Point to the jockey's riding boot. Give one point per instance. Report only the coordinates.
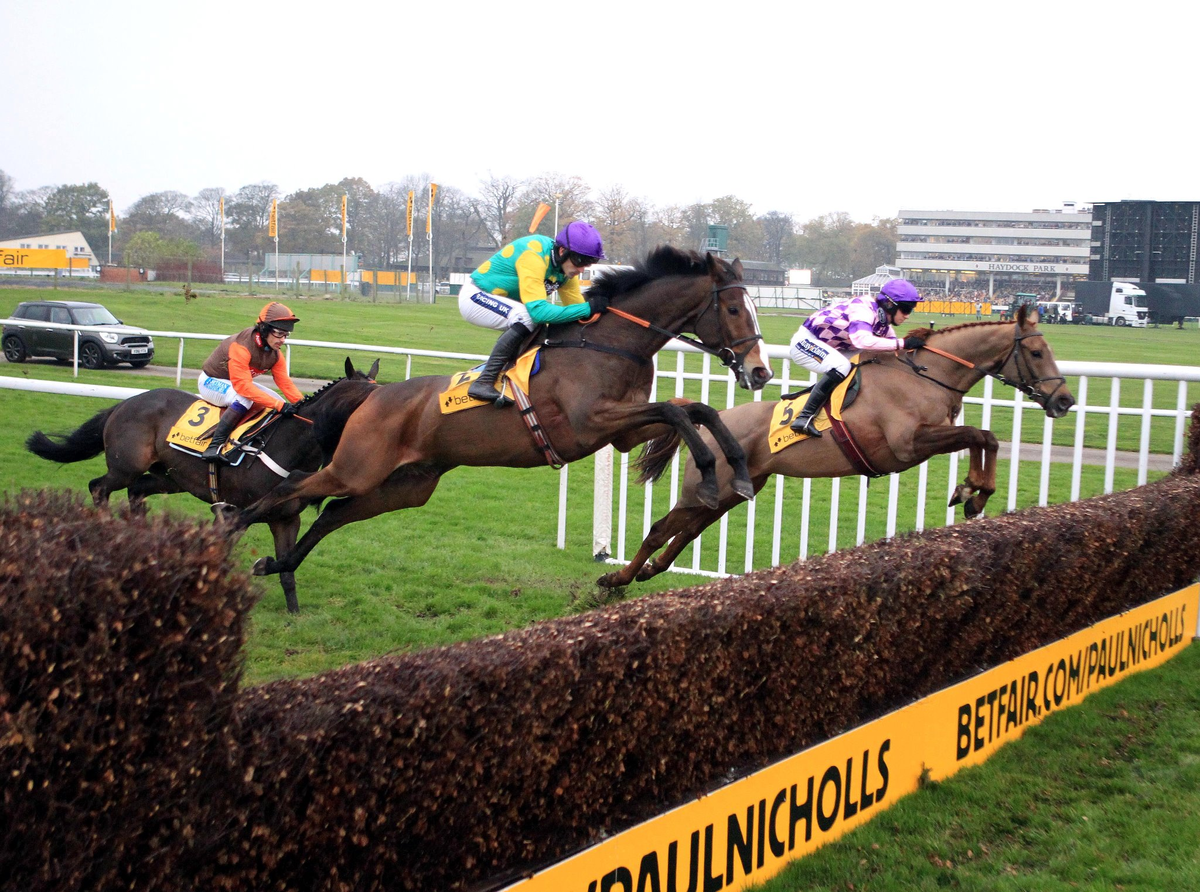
(230, 419)
(805, 422)
(505, 351)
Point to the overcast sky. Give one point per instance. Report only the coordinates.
(804, 108)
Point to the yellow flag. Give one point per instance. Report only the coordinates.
(538, 216)
(221, 211)
(343, 217)
(409, 212)
(429, 215)
(272, 227)
(112, 217)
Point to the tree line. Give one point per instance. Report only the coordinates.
(836, 248)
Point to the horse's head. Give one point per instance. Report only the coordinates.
(1030, 367)
(729, 325)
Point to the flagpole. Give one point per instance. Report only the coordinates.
(345, 273)
(429, 235)
(112, 224)
(222, 207)
(408, 278)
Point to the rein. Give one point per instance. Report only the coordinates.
(1026, 384)
(727, 355)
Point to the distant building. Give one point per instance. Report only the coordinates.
(757, 272)
(73, 243)
(985, 252)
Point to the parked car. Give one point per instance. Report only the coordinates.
(105, 341)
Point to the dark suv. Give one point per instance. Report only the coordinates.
(105, 341)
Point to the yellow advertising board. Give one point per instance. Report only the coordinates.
(746, 832)
(34, 258)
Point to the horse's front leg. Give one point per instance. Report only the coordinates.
(942, 439)
(702, 413)
(284, 532)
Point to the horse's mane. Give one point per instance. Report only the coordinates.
(663, 261)
(925, 333)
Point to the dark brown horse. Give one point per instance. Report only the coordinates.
(904, 415)
(133, 437)
(592, 390)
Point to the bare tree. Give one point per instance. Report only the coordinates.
(621, 221)
(571, 194)
(166, 213)
(249, 213)
(499, 197)
(779, 231)
(206, 214)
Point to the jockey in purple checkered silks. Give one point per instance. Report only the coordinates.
(511, 291)
(861, 322)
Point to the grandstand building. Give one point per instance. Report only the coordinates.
(992, 255)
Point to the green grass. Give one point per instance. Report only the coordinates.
(1102, 796)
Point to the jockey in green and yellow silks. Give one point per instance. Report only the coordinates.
(510, 291)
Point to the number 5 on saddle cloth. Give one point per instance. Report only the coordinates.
(780, 435)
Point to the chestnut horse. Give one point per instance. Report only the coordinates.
(904, 414)
(592, 390)
(133, 437)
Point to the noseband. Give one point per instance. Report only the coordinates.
(1027, 384)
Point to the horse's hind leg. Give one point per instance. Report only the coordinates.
(404, 489)
(148, 485)
(679, 527)
(284, 533)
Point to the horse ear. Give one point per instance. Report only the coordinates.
(349, 368)
(737, 266)
(373, 371)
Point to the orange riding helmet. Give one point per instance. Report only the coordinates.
(276, 315)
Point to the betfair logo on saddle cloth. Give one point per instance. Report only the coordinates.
(780, 434)
(455, 398)
(194, 428)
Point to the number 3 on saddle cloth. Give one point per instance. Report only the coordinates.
(194, 428)
(514, 383)
(780, 435)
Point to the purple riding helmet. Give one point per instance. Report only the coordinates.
(581, 239)
(898, 291)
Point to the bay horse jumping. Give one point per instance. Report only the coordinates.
(133, 437)
(592, 390)
(903, 415)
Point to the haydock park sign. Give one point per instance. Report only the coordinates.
(33, 258)
(747, 831)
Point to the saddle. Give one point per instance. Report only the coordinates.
(192, 431)
(454, 398)
(780, 435)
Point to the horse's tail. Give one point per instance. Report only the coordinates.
(655, 457)
(86, 442)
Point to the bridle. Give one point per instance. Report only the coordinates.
(1027, 380)
(727, 354)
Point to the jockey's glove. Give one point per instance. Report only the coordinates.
(598, 304)
(289, 409)
(912, 343)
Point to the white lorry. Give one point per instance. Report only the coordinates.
(1111, 303)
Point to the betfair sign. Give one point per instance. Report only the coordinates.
(33, 258)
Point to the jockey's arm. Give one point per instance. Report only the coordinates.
(862, 338)
(243, 381)
(284, 382)
(531, 271)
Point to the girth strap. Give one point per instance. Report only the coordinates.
(530, 417)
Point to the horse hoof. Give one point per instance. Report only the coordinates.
(648, 571)
(608, 580)
(707, 494)
(262, 567)
(743, 489)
